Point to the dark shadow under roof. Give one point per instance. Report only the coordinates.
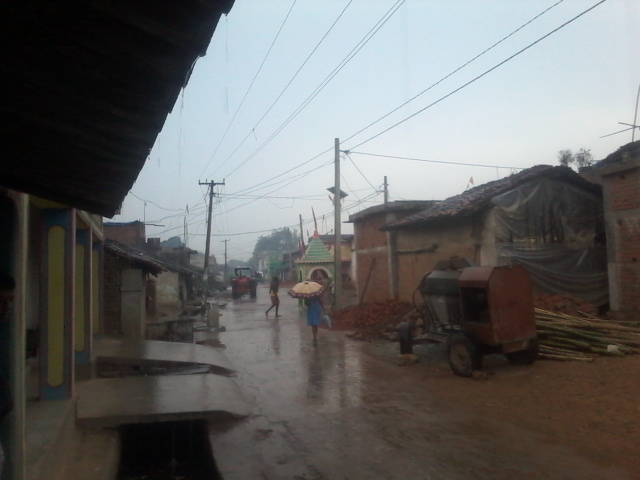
(87, 86)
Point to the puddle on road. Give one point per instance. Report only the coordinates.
(167, 451)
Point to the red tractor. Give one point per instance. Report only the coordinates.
(244, 283)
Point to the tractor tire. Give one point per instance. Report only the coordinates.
(253, 292)
(464, 357)
(234, 293)
(524, 357)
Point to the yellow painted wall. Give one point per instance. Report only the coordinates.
(79, 320)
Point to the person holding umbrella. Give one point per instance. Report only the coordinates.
(311, 292)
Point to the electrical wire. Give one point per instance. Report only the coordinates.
(326, 81)
(437, 161)
(155, 204)
(413, 98)
(249, 89)
(478, 77)
(454, 71)
(287, 86)
(359, 171)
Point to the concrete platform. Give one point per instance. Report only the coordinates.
(110, 402)
(155, 353)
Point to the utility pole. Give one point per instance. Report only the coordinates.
(302, 245)
(386, 191)
(225, 261)
(210, 185)
(337, 250)
(186, 231)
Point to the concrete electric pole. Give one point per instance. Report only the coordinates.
(205, 275)
(225, 261)
(337, 284)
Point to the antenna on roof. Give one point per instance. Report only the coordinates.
(631, 126)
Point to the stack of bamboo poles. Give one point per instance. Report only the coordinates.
(566, 337)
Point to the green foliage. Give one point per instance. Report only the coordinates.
(582, 158)
(282, 240)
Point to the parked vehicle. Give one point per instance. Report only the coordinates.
(477, 311)
(244, 283)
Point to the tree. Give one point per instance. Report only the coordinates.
(582, 159)
(282, 240)
(565, 157)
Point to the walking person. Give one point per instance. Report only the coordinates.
(273, 294)
(315, 310)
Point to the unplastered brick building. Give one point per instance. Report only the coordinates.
(620, 179)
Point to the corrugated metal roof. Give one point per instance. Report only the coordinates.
(478, 198)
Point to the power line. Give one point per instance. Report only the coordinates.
(155, 204)
(326, 81)
(287, 86)
(249, 89)
(447, 76)
(437, 161)
(481, 75)
(455, 71)
(359, 171)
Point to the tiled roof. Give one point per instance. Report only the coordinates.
(478, 198)
(629, 150)
(397, 206)
(134, 256)
(145, 260)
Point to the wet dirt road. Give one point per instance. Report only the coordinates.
(341, 410)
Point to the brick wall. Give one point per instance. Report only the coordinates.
(368, 232)
(132, 234)
(621, 182)
(625, 188)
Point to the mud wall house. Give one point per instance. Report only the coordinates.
(182, 279)
(129, 289)
(619, 175)
(373, 249)
(549, 219)
(91, 85)
(177, 284)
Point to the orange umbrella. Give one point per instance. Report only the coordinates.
(306, 290)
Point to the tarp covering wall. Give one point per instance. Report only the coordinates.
(556, 230)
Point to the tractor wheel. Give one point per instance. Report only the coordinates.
(463, 355)
(234, 293)
(253, 293)
(524, 357)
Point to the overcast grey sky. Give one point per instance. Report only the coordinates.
(283, 78)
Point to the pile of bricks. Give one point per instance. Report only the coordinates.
(370, 314)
